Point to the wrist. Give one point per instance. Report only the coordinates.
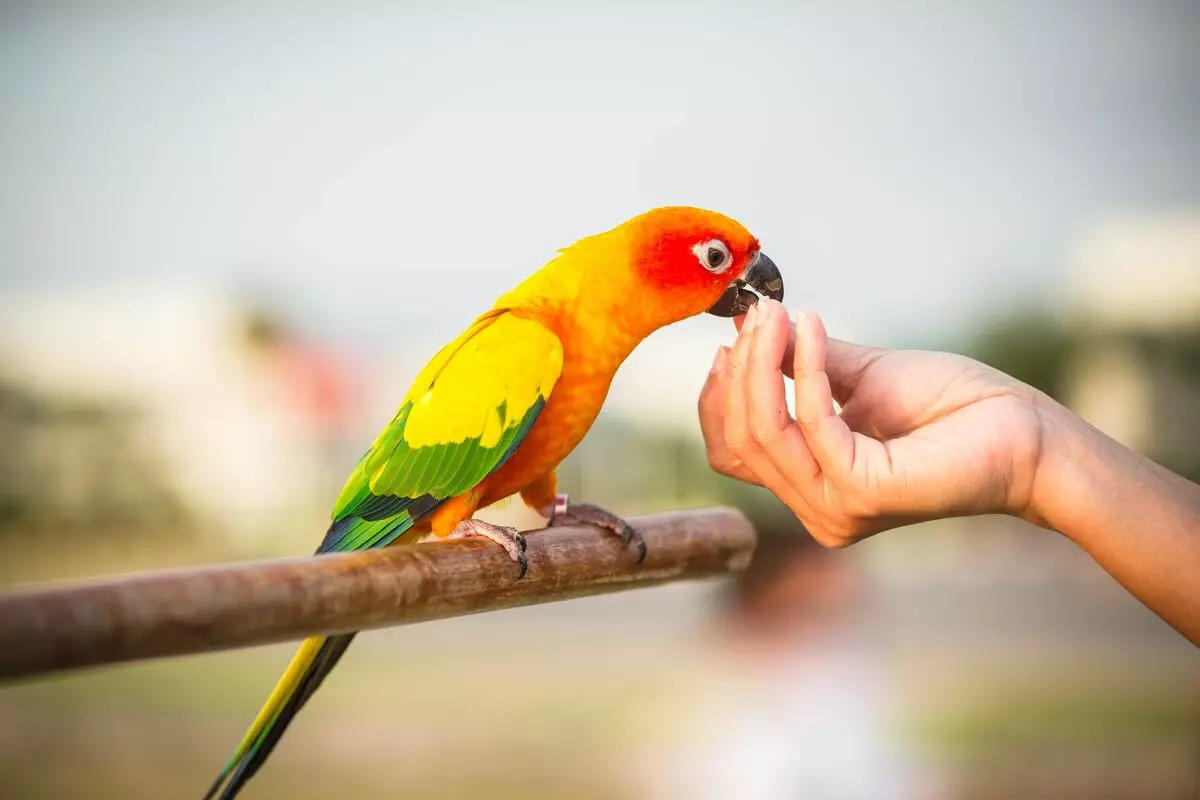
(1062, 487)
(1139, 521)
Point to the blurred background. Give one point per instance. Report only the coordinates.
(230, 234)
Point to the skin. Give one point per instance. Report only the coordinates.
(926, 435)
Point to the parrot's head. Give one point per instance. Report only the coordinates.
(688, 261)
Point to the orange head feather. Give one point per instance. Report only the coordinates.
(689, 260)
(657, 268)
(670, 251)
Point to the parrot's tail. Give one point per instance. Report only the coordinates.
(315, 659)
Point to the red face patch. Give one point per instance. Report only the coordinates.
(665, 245)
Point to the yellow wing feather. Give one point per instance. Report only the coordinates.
(507, 365)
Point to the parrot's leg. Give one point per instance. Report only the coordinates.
(564, 512)
(509, 538)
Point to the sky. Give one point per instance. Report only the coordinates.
(384, 171)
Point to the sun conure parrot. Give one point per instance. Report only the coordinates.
(496, 410)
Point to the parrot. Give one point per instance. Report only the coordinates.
(496, 410)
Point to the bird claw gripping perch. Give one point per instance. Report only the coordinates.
(568, 513)
(522, 380)
(509, 538)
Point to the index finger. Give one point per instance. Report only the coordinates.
(789, 350)
(845, 362)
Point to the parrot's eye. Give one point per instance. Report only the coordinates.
(714, 255)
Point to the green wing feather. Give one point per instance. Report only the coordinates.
(463, 417)
(466, 413)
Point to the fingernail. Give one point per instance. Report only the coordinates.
(805, 317)
(751, 319)
(763, 309)
(798, 361)
(719, 359)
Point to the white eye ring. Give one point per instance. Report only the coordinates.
(713, 255)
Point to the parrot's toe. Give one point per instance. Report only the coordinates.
(509, 538)
(566, 513)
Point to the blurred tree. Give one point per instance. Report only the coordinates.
(1031, 345)
(1044, 351)
(68, 464)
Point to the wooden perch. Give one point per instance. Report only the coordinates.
(218, 608)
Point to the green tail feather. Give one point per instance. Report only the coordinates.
(316, 658)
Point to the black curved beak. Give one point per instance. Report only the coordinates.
(762, 276)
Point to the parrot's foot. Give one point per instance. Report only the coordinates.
(509, 538)
(565, 512)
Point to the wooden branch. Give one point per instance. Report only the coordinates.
(217, 608)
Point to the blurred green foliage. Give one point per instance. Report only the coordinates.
(1031, 345)
(1040, 348)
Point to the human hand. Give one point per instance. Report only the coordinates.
(922, 435)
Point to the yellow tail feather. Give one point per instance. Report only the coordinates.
(283, 690)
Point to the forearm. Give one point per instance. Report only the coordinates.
(1140, 521)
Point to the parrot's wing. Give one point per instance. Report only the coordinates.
(463, 417)
(465, 414)
(467, 411)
